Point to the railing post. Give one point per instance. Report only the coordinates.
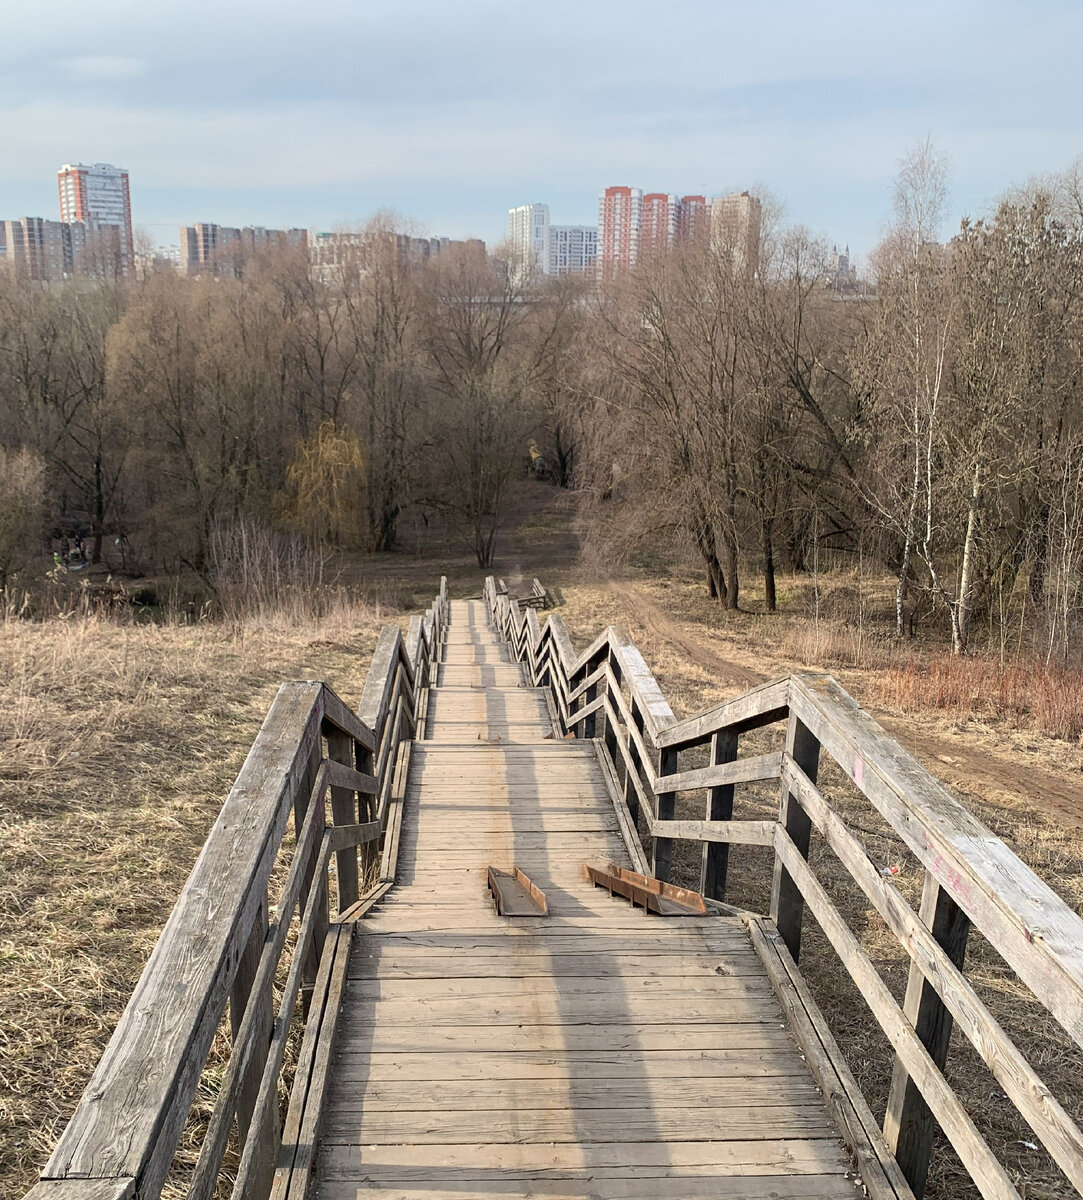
(610, 731)
(239, 998)
(664, 804)
(787, 904)
(716, 855)
(908, 1124)
(301, 805)
(590, 724)
(344, 809)
(631, 796)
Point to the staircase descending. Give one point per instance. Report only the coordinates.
(598, 1052)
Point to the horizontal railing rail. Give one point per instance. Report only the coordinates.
(226, 944)
(971, 880)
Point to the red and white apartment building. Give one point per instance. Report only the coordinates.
(98, 197)
(632, 225)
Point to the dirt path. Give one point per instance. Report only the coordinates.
(997, 778)
(654, 618)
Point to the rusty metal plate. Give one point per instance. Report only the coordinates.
(515, 894)
(665, 899)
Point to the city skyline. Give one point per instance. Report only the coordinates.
(327, 121)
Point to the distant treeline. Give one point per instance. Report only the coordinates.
(738, 408)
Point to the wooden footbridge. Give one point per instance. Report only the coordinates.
(336, 977)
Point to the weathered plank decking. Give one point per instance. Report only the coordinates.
(599, 1051)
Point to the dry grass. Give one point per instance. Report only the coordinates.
(118, 743)
(701, 655)
(1025, 695)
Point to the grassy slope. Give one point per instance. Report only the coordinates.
(118, 744)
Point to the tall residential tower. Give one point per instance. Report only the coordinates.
(98, 196)
(620, 216)
(528, 233)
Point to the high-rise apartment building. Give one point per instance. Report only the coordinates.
(573, 249)
(34, 248)
(693, 218)
(98, 196)
(620, 214)
(223, 249)
(528, 236)
(658, 223)
(735, 227)
(632, 225)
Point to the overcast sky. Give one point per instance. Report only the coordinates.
(451, 111)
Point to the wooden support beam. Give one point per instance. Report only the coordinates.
(634, 765)
(664, 805)
(240, 998)
(716, 855)
(787, 906)
(908, 1124)
(344, 808)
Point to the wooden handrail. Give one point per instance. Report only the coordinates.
(220, 945)
(607, 692)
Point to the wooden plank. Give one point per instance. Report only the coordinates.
(496, 990)
(515, 894)
(344, 808)
(369, 900)
(379, 681)
(742, 770)
(908, 1123)
(401, 1039)
(631, 735)
(599, 1187)
(297, 1154)
(479, 841)
(528, 1163)
(628, 966)
(979, 1160)
(657, 715)
(879, 1171)
(253, 1037)
(258, 1151)
(628, 831)
(393, 834)
(787, 903)
(241, 995)
(763, 705)
(336, 713)
(714, 865)
(554, 1007)
(354, 1071)
(341, 774)
(82, 1189)
(664, 807)
(634, 933)
(132, 1112)
(934, 963)
(1027, 923)
(572, 1092)
(636, 1123)
(351, 836)
(743, 833)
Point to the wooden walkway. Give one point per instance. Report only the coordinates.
(598, 1052)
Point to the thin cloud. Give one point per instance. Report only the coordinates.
(104, 68)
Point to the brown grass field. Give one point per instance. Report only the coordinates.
(119, 741)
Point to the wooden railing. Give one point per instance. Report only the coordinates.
(225, 942)
(971, 880)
